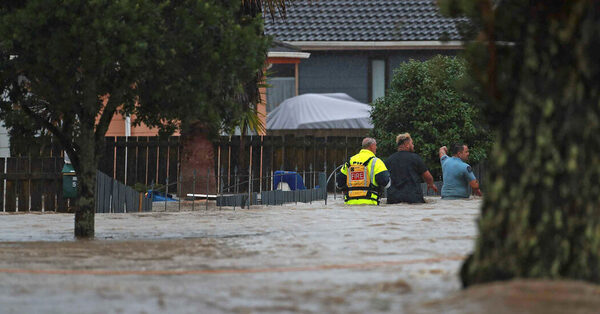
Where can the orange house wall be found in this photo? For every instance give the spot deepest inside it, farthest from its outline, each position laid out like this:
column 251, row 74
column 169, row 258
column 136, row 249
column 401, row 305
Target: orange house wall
column 117, row 123
column 117, row 128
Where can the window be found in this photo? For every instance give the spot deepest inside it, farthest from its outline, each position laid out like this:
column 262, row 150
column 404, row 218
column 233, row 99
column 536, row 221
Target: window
column 378, row 78
column 280, row 89
column 282, row 84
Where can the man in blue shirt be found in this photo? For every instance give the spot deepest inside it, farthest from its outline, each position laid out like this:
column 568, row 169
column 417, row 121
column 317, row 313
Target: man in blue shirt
column 458, row 175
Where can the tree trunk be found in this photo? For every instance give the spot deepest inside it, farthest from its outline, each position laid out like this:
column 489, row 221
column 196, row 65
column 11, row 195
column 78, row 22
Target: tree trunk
column 197, row 155
column 541, row 213
column 85, row 168
column 85, row 207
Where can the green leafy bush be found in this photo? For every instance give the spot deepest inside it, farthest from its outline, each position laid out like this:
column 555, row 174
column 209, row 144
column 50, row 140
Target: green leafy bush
column 425, row 99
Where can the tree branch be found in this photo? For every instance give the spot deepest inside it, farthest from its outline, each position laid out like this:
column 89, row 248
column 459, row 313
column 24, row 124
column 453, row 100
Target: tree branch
column 108, row 112
column 64, row 138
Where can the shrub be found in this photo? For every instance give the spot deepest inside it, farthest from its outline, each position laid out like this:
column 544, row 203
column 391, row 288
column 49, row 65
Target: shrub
column 425, row 99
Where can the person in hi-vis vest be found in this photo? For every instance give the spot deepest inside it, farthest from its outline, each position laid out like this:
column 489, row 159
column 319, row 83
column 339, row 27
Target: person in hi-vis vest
column 363, row 176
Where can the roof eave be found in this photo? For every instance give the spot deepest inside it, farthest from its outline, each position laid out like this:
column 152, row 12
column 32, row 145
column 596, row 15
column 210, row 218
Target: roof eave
column 376, row 45
column 288, row 54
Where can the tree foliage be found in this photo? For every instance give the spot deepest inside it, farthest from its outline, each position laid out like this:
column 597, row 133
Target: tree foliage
column 425, row 100
column 70, row 65
column 536, row 71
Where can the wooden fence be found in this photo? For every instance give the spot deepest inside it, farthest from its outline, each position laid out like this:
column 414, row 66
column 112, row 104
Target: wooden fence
column 148, row 160
column 130, row 160
column 260, row 156
column 31, row 184
column 144, row 160
column 35, row 184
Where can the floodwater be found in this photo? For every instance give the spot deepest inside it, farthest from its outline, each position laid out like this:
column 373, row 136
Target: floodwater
column 308, row 258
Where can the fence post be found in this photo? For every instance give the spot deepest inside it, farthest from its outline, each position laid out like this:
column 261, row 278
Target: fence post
column 296, row 185
column 207, row 184
column 179, row 181
column 29, row 185
column 218, row 172
column 249, row 187
column 110, row 197
column 166, row 191
column 222, row 172
column 193, row 189
column 262, row 199
column 4, row 188
column 325, row 195
column 260, row 178
column 334, row 183
column 250, row 175
column 310, row 170
column 314, row 175
column 17, row 195
column 304, row 176
column 229, row 166
column 235, row 188
column 272, row 180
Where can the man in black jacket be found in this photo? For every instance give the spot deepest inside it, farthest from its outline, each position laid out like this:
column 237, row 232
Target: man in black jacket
column 407, row 170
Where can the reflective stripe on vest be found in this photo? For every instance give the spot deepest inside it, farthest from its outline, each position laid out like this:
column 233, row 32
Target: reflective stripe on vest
column 370, row 190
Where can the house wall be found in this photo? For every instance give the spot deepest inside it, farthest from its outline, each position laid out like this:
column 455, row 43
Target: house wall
column 348, row 71
column 340, row 72
column 117, row 128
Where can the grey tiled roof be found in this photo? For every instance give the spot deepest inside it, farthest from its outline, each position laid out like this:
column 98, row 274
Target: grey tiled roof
column 279, row 46
column 362, row 20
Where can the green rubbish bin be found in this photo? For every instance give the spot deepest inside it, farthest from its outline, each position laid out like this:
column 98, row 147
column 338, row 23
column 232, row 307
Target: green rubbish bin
column 69, row 181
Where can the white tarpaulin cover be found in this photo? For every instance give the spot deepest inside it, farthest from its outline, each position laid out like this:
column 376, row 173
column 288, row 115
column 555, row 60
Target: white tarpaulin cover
column 320, row 111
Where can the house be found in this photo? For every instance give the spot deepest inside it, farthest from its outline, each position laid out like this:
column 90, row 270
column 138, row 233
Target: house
column 282, row 70
column 355, row 45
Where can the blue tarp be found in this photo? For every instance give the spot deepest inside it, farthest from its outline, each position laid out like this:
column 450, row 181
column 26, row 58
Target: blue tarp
column 159, row 197
column 289, row 177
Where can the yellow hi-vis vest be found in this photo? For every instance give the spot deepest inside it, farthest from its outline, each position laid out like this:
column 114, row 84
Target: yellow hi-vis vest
column 360, row 173
column 359, row 179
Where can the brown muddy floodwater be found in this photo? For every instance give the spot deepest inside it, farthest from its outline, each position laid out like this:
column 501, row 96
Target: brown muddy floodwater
column 308, row 258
